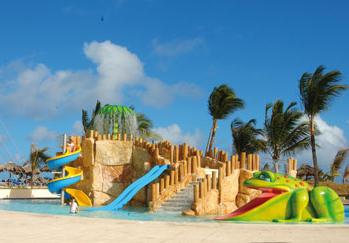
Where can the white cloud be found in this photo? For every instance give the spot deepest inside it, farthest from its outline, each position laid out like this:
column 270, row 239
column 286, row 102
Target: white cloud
column 43, row 134
column 175, row 134
column 176, row 47
column 330, row 140
column 39, row 92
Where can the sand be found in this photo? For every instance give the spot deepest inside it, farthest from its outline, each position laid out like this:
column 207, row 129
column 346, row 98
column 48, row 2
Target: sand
column 27, row 227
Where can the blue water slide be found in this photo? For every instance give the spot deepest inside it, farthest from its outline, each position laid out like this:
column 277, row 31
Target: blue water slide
column 57, row 185
column 132, row 189
column 59, row 161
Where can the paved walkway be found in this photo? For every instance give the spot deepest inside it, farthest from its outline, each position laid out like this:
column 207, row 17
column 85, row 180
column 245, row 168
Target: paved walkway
column 25, row 227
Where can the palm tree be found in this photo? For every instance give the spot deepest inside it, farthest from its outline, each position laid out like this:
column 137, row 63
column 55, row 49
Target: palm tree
column 145, row 126
column 87, row 122
column 338, row 163
column 246, row 137
column 38, row 156
column 317, row 90
column 221, row 103
column 284, row 131
column 346, row 174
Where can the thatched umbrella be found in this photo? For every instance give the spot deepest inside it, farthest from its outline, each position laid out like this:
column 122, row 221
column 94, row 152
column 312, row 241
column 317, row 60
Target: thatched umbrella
column 11, row 167
column 305, row 171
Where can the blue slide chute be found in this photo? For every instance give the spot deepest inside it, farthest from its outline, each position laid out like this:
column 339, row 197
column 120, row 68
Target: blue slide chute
column 132, row 189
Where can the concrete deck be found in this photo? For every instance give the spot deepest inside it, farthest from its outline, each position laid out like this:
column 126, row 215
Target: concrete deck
column 16, row 226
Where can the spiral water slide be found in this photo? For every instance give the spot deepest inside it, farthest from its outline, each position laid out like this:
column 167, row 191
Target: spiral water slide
column 72, row 176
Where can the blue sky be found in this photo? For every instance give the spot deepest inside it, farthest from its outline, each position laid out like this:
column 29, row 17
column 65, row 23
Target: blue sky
column 164, row 58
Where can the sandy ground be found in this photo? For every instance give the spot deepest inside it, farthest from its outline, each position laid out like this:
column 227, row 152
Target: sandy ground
column 26, row 227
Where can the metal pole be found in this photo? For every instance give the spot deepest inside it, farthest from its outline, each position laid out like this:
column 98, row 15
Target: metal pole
column 63, row 171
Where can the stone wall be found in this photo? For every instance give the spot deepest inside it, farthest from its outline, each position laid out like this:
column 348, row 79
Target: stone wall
column 109, row 166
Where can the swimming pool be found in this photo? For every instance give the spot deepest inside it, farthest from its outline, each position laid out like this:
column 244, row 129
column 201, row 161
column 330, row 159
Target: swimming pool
column 140, row 214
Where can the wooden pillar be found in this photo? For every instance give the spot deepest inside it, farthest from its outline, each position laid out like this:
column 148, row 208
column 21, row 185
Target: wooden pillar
column 153, row 192
column 201, row 185
column 167, row 181
column 172, row 177
column 220, row 178
column 228, row 168
column 162, row 185
column 208, row 179
column 189, row 165
column 243, row 160
column 176, row 153
column 124, row 137
column 181, row 172
column 171, row 154
column 195, row 164
column 198, row 158
column 185, row 151
column 249, row 161
column 176, row 176
column 214, row 180
column 196, row 193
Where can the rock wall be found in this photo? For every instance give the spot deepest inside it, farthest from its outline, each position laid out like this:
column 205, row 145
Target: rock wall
column 109, row 166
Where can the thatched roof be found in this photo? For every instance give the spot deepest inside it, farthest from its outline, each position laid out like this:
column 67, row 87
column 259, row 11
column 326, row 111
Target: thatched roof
column 11, row 167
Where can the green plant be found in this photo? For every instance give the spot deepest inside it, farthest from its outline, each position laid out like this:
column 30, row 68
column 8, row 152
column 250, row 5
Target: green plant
column 221, row 103
column 317, row 91
column 284, row 131
column 246, row 137
column 87, row 122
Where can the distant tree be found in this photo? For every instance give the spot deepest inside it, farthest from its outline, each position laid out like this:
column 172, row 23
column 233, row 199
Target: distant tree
column 338, row 163
column 346, row 174
column 317, row 90
column 284, row 131
column 145, row 126
column 246, row 137
column 87, row 122
column 38, row 157
column 221, row 103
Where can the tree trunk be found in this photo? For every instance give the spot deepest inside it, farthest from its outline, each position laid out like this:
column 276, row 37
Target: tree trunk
column 276, row 166
column 313, row 151
column 213, row 134
column 208, row 142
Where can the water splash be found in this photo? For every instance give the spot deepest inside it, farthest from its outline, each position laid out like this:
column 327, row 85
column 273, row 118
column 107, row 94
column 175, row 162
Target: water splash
column 113, row 119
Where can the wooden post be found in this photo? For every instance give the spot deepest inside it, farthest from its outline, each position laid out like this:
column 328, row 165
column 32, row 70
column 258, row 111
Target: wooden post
column 157, row 190
column 162, row 185
column 208, row 179
column 220, row 178
column 181, row 172
column 228, row 168
column 189, row 166
column 214, row 180
column 172, row 177
column 195, row 164
column 198, row 157
column 171, row 154
column 167, row 182
column 294, row 164
column 176, row 153
column 185, row 151
column 249, row 161
column 243, row 160
column 153, row 193
column 196, row 193
column 176, row 176
column 202, row 190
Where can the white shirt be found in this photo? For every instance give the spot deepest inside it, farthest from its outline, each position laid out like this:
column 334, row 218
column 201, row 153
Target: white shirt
column 73, row 207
